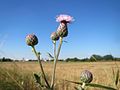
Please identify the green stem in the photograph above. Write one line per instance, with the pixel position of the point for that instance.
(41, 67)
(58, 52)
(83, 86)
(53, 74)
(55, 61)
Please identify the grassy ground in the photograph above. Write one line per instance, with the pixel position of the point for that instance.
(19, 75)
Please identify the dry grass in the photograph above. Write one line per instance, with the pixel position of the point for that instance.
(102, 72)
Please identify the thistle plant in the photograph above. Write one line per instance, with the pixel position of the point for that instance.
(32, 40)
(62, 31)
(86, 78)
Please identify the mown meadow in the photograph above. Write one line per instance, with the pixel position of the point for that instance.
(19, 75)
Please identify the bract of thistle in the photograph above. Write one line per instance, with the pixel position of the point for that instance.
(86, 76)
(31, 40)
(62, 30)
(54, 36)
(64, 18)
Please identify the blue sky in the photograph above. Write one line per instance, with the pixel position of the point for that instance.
(96, 29)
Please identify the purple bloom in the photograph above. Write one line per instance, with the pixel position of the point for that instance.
(64, 18)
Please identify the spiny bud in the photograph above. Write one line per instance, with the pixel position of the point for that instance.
(86, 76)
(54, 36)
(62, 30)
(31, 40)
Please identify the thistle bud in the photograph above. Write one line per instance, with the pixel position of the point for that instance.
(86, 76)
(62, 30)
(31, 40)
(54, 36)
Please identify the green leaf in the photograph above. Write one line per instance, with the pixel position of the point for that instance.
(100, 86)
(65, 41)
(74, 82)
(94, 85)
(50, 55)
(37, 78)
(117, 77)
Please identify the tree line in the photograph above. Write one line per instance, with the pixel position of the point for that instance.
(92, 58)
(95, 57)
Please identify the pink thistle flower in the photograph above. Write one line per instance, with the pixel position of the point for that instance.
(64, 18)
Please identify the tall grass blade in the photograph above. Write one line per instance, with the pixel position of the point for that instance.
(113, 72)
(15, 81)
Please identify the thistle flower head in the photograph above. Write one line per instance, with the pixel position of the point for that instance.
(86, 76)
(54, 36)
(62, 31)
(31, 40)
(64, 18)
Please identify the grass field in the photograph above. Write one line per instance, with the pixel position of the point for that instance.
(19, 75)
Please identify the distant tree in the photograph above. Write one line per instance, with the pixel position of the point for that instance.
(61, 60)
(95, 57)
(76, 59)
(32, 60)
(6, 59)
(3, 59)
(108, 57)
(72, 59)
(67, 60)
(116, 59)
(84, 59)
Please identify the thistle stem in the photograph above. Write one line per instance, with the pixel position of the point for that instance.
(40, 64)
(53, 74)
(83, 86)
(55, 61)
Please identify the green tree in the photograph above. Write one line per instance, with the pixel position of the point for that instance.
(95, 57)
(108, 57)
